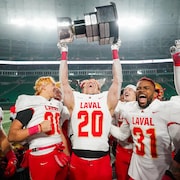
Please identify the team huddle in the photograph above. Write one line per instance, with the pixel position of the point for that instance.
(68, 133)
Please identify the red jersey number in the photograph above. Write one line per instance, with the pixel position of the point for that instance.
(140, 148)
(96, 121)
(54, 118)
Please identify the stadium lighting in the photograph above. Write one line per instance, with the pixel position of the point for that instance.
(139, 72)
(132, 22)
(35, 22)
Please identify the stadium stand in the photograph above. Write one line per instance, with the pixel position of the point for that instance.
(18, 80)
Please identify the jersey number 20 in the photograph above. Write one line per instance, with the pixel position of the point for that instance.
(96, 123)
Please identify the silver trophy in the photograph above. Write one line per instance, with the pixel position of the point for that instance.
(176, 48)
(100, 25)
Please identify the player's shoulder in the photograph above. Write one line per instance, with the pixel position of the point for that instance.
(175, 98)
(56, 103)
(131, 104)
(27, 101)
(125, 106)
(76, 93)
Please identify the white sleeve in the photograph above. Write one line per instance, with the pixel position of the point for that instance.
(177, 79)
(65, 115)
(174, 132)
(122, 133)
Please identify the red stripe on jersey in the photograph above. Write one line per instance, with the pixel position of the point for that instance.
(171, 123)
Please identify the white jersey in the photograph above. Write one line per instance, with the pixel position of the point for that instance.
(175, 132)
(176, 78)
(90, 122)
(42, 110)
(150, 129)
(65, 115)
(117, 118)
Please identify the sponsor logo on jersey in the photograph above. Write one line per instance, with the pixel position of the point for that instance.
(43, 163)
(154, 112)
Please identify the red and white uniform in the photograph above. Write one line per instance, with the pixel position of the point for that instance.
(149, 128)
(124, 149)
(42, 163)
(65, 121)
(12, 113)
(42, 110)
(176, 58)
(118, 121)
(90, 122)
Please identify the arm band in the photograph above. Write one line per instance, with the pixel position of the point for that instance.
(176, 58)
(115, 54)
(40, 127)
(64, 55)
(33, 130)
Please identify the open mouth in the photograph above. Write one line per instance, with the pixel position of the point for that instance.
(90, 85)
(126, 95)
(142, 98)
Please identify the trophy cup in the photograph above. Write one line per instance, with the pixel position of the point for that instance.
(100, 25)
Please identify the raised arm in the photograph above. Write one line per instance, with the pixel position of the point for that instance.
(175, 52)
(67, 92)
(114, 90)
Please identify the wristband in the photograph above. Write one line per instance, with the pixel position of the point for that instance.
(33, 130)
(176, 59)
(115, 54)
(40, 127)
(64, 55)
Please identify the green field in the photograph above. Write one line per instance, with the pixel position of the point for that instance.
(6, 121)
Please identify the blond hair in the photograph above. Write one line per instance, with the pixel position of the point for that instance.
(42, 81)
(58, 84)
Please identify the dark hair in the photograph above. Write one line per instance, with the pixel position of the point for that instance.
(147, 79)
(122, 90)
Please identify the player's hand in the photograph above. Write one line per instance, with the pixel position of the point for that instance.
(62, 47)
(46, 126)
(62, 159)
(116, 46)
(175, 53)
(176, 48)
(11, 165)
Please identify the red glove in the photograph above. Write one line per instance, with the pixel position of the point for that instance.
(11, 166)
(62, 159)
